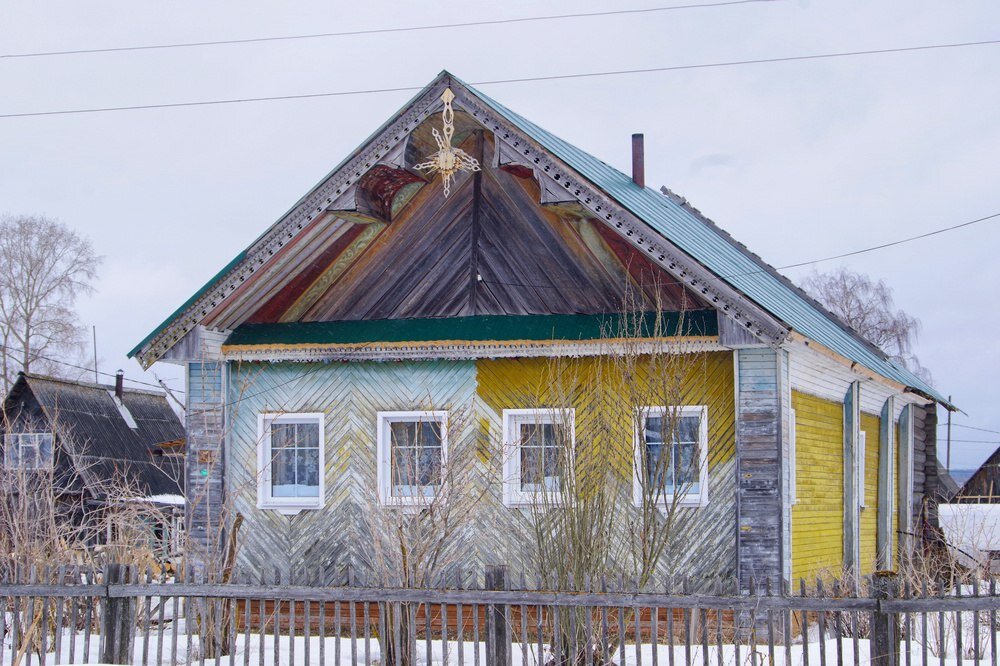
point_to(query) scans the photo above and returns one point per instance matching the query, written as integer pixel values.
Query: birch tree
(44, 267)
(867, 306)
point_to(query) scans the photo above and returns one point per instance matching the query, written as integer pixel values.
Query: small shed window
(538, 447)
(28, 450)
(412, 454)
(671, 456)
(290, 461)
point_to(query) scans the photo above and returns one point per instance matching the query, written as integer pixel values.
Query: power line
(379, 31)
(796, 265)
(959, 425)
(896, 242)
(976, 441)
(529, 79)
(100, 372)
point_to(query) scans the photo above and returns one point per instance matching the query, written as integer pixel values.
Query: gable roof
(103, 445)
(728, 265)
(983, 485)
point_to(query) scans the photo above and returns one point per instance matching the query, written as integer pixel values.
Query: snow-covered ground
(359, 655)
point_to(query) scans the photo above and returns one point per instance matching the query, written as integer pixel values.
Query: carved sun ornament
(448, 160)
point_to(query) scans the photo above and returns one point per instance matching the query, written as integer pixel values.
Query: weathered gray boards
(204, 464)
(758, 451)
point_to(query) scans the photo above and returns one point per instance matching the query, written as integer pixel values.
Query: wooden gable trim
(385, 144)
(668, 256)
(313, 205)
(460, 350)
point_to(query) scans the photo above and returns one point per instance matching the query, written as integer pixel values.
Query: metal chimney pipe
(638, 160)
(119, 384)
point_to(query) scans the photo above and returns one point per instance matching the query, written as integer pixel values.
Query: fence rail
(118, 615)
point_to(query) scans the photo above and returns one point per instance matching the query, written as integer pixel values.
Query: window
(412, 453)
(538, 445)
(290, 461)
(861, 463)
(28, 450)
(792, 460)
(671, 463)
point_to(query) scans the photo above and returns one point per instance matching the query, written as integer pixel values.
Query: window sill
(288, 509)
(692, 503)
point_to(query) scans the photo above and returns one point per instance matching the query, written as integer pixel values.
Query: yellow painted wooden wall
(818, 514)
(870, 425)
(604, 394)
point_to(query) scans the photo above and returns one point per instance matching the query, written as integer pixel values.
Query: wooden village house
(99, 446)
(415, 301)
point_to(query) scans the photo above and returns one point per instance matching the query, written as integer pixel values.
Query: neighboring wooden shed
(983, 487)
(100, 442)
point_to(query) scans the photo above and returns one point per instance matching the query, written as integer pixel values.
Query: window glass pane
(541, 456)
(308, 435)
(45, 450)
(415, 457)
(531, 468)
(282, 435)
(429, 466)
(687, 428)
(686, 472)
(674, 467)
(307, 473)
(283, 473)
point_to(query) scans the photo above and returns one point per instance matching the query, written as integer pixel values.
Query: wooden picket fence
(118, 615)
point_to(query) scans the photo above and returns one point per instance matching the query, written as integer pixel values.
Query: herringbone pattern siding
(475, 394)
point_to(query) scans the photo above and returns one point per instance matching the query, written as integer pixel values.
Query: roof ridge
(83, 384)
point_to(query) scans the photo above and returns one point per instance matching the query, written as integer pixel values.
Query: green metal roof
(718, 252)
(477, 329)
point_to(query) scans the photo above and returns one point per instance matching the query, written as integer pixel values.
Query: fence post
(497, 631)
(885, 626)
(117, 623)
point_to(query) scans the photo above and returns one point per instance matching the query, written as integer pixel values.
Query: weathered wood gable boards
(474, 393)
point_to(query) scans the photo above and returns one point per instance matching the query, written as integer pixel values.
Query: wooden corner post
(886, 495)
(852, 503)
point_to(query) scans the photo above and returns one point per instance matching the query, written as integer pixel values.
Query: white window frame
(384, 452)
(288, 505)
(693, 499)
(862, 464)
(36, 436)
(793, 477)
(512, 419)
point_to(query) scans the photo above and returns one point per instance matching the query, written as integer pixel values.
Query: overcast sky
(798, 160)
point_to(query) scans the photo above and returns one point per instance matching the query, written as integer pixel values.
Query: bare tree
(867, 306)
(44, 267)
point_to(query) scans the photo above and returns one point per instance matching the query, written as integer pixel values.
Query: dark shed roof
(96, 434)
(984, 484)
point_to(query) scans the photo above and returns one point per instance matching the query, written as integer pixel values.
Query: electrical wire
(380, 31)
(487, 82)
(786, 266)
(967, 427)
(86, 369)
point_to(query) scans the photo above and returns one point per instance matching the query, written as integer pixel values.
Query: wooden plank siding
(474, 393)
(701, 544)
(759, 507)
(868, 524)
(204, 459)
(817, 515)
